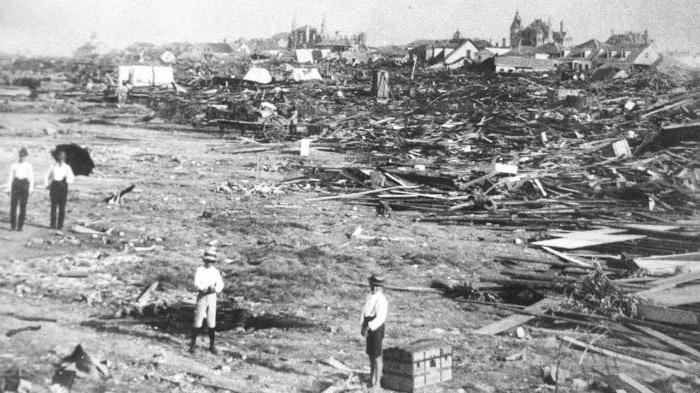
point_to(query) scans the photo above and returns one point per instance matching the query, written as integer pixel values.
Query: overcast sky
(57, 27)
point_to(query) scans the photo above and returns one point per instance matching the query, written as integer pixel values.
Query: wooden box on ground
(416, 365)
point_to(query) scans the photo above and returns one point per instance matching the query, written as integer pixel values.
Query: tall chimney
(503, 44)
(646, 36)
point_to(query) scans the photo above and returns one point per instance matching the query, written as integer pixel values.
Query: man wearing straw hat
(20, 184)
(373, 317)
(208, 282)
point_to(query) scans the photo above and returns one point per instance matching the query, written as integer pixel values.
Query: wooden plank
(668, 283)
(668, 264)
(676, 296)
(516, 320)
(567, 258)
(358, 194)
(669, 340)
(667, 315)
(633, 383)
(568, 243)
(591, 234)
(620, 356)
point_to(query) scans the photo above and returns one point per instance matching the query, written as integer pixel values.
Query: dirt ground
(284, 256)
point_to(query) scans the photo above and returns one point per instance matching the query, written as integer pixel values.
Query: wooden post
(413, 70)
(380, 84)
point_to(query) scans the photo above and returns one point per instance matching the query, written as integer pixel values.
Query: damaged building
(536, 34)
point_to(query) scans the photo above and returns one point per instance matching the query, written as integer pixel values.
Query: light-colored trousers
(206, 307)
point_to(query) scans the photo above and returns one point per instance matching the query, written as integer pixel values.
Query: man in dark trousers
(20, 184)
(58, 177)
(373, 317)
(208, 282)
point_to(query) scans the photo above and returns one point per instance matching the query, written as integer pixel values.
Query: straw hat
(376, 280)
(210, 255)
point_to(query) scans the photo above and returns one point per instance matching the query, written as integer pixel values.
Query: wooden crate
(413, 366)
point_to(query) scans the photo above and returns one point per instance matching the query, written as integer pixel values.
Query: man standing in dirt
(208, 282)
(373, 317)
(19, 186)
(59, 176)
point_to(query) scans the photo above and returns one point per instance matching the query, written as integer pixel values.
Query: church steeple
(515, 30)
(517, 22)
(323, 27)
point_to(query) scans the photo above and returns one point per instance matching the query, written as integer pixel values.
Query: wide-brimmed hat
(23, 152)
(211, 255)
(376, 280)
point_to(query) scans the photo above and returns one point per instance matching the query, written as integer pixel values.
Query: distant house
(521, 51)
(520, 64)
(87, 51)
(210, 49)
(581, 56)
(629, 52)
(536, 34)
(488, 53)
(466, 52)
(552, 50)
(431, 52)
(304, 37)
(452, 53)
(630, 59)
(6, 60)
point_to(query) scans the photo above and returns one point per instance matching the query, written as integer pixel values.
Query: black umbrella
(77, 157)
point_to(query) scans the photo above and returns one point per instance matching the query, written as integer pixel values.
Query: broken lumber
(356, 194)
(567, 258)
(676, 296)
(668, 283)
(619, 356)
(633, 383)
(669, 341)
(516, 320)
(116, 198)
(667, 315)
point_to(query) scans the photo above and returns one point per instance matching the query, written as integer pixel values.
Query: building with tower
(536, 34)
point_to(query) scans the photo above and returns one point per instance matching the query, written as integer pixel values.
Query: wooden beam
(633, 383)
(567, 258)
(358, 194)
(669, 341)
(620, 356)
(516, 320)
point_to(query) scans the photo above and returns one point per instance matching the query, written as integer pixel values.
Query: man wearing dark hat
(373, 317)
(208, 282)
(58, 177)
(20, 184)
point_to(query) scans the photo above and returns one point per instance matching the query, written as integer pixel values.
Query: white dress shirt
(59, 172)
(206, 277)
(21, 170)
(376, 306)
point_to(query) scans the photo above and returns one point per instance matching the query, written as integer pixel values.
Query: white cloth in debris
(23, 171)
(59, 172)
(376, 306)
(207, 277)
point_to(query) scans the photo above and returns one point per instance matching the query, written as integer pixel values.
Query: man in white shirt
(58, 177)
(208, 282)
(373, 318)
(19, 186)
